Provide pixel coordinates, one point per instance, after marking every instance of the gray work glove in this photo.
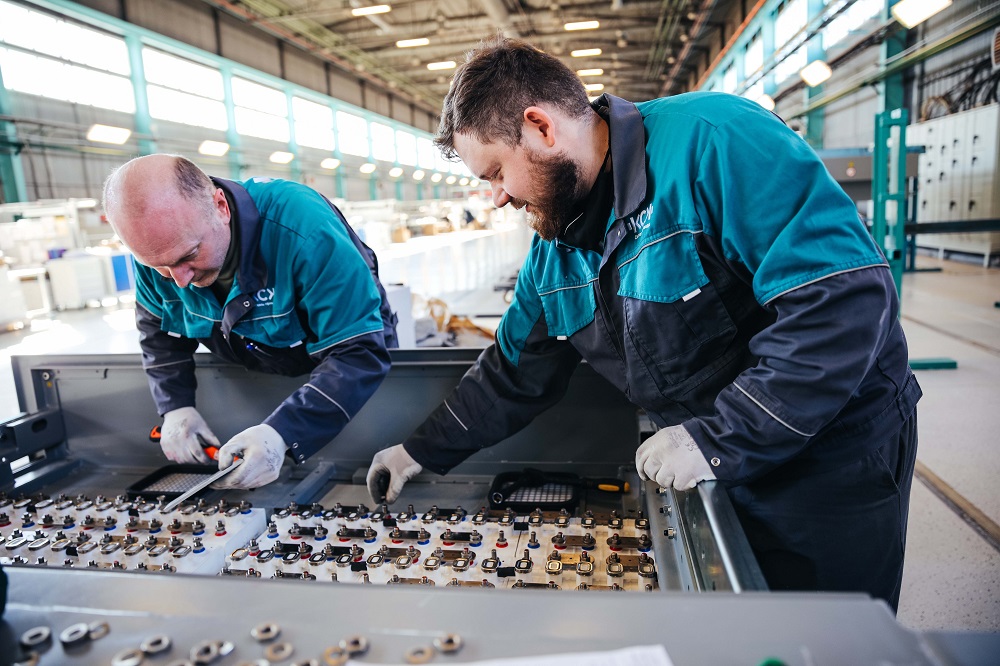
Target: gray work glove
(263, 452)
(671, 457)
(183, 434)
(391, 469)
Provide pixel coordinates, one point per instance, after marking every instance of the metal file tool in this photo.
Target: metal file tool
(202, 484)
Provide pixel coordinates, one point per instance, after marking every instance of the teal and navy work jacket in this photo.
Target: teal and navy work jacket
(732, 290)
(306, 298)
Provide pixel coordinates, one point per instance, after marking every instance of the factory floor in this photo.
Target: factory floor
(952, 575)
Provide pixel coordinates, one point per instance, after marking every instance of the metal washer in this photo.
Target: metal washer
(265, 631)
(35, 636)
(335, 656)
(355, 645)
(419, 655)
(75, 634)
(448, 643)
(279, 651)
(155, 644)
(128, 657)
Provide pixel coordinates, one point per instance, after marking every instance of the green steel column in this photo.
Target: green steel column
(420, 191)
(234, 156)
(895, 43)
(889, 189)
(293, 145)
(137, 72)
(399, 186)
(815, 120)
(11, 171)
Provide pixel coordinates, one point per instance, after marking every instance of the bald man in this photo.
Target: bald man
(265, 273)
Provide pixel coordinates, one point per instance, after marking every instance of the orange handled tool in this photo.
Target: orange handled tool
(211, 449)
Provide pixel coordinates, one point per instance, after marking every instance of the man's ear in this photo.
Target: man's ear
(539, 125)
(221, 204)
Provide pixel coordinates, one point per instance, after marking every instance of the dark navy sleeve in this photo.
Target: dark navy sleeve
(347, 376)
(168, 361)
(813, 359)
(495, 399)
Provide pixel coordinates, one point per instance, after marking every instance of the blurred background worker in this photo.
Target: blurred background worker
(265, 273)
(748, 311)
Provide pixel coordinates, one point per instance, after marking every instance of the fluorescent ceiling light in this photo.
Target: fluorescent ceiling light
(450, 180)
(583, 53)
(374, 9)
(367, 167)
(395, 172)
(463, 181)
(474, 182)
(446, 64)
(86, 203)
(418, 174)
(589, 72)
(815, 73)
(108, 134)
(594, 87)
(582, 25)
(409, 43)
(766, 101)
(436, 178)
(213, 148)
(914, 12)
(330, 163)
(281, 157)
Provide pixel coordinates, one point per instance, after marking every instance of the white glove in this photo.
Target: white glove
(263, 452)
(671, 457)
(391, 469)
(182, 434)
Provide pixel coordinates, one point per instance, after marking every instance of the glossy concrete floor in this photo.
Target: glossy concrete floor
(952, 576)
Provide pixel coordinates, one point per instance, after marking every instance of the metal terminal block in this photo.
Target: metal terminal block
(431, 563)
(403, 562)
(246, 573)
(553, 567)
(523, 565)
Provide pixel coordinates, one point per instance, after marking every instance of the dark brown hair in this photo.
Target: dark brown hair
(499, 80)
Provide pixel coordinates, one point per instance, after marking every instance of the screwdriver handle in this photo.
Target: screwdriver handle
(210, 449)
(608, 485)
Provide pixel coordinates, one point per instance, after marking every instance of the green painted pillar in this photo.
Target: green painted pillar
(815, 119)
(137, 72)
(892, 86)
(11, 170)
(235, 155)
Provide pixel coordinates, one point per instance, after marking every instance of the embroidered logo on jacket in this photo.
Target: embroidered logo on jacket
(264, 297)
(639, 223)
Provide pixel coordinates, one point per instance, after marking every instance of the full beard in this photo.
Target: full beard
(559, 179)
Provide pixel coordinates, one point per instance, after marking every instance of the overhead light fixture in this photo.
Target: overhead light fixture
(815, 73)
(435, 178)
(582, 25)
(914, 12)
(474, 182)
(213, 148)
(367, 167)
(594, 87)
(589, 72)
(108, 134)
(374, 9)
(410, 43)
(418, 174)
(395, 172)
(330, 163)
(463, 181)
(445, 64)
(583, 53)
(281, 157)
(450, 180)
(766, 101)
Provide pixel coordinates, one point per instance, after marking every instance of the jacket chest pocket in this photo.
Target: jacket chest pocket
(178, 320)
(676, 322)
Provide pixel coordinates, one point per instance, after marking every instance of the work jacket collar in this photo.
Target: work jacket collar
(251, 273)
(627, 138)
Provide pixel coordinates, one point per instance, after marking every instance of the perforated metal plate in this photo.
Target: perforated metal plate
(175, 483)
(543, 494)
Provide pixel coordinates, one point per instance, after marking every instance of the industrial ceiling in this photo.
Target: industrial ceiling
(646, 46)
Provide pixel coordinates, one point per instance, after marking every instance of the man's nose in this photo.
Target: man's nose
(500, 197)
(181, 275)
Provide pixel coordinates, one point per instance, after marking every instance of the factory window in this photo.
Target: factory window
(74, 64)
(791, 64)
(426, 153)
(260, 111)
(37, 75)
(755, 91)
(440, 163)
(313, 124)
(406, 148)
(61, 39)
(383, 142)
(850, 20)
(790, 19)
(183, 91)
(352, 132)
(729, 79)
(753, 58)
